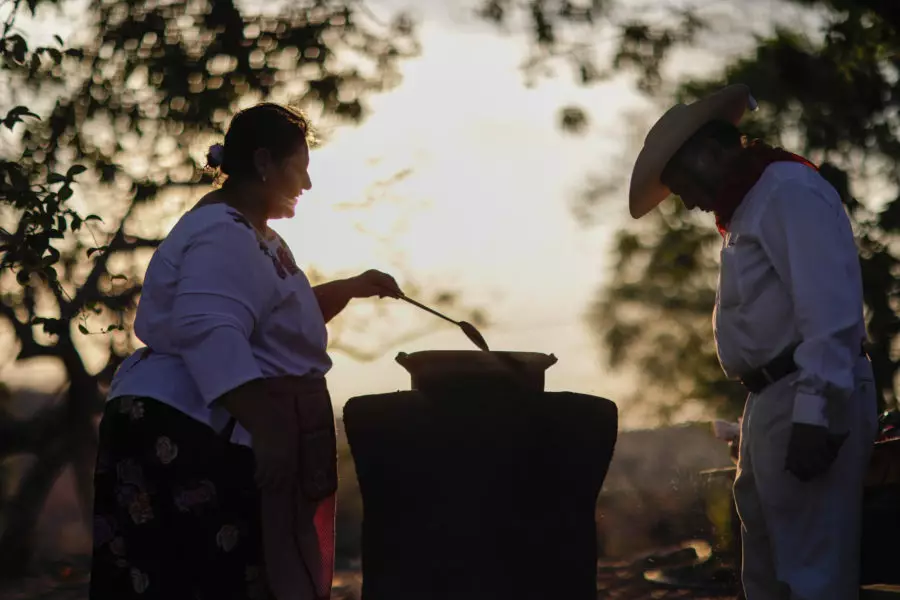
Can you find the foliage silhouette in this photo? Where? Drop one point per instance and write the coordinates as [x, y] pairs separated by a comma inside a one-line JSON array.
[[829, 93]]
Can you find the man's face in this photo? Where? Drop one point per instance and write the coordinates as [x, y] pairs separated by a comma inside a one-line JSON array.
[[694, 174]]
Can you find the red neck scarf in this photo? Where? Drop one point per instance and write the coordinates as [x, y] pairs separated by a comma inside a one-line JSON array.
[[743, 173]]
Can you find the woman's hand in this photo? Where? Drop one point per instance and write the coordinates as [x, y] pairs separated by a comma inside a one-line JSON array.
[[273, 429], [334, 296], [277, 462], [375, 283]]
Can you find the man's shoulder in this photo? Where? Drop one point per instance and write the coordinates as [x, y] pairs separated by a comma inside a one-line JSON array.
[[793, 176], [798, 185]]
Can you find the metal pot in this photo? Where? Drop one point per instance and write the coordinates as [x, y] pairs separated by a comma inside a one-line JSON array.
[[445, 370]]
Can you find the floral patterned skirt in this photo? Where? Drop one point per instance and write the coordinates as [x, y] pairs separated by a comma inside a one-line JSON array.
[[176, 510]]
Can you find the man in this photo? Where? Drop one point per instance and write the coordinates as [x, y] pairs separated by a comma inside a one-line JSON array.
[[789, 324]]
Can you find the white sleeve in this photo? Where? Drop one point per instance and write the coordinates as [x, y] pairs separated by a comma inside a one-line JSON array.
[[810, 243], [226, 282]]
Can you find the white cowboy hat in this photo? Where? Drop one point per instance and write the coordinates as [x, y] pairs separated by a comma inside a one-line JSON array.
[[670, 132]]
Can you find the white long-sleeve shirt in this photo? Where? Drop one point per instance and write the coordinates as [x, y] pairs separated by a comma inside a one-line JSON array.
[[220, 306], [790, 275]]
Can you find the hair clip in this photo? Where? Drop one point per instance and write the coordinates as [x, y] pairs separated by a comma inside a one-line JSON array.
[[216, 155]]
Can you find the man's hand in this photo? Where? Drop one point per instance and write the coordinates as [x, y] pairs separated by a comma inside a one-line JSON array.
[[811, 450], [375, 283]]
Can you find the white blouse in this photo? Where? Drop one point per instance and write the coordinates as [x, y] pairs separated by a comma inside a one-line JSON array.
[[790, 274], [220, 306]]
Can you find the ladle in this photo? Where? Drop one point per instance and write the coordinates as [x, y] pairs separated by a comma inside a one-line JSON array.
[[467, 328]]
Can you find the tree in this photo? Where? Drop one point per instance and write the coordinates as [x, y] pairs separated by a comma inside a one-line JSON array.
[[131, 106], [827, 93]]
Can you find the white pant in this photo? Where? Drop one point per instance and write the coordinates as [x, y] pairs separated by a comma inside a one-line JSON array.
[[801, 540]]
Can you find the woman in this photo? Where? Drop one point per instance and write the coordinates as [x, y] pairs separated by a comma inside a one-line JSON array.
[[185, 505]]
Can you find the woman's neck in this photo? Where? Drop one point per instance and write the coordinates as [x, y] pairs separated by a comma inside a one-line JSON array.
[[248, 200]]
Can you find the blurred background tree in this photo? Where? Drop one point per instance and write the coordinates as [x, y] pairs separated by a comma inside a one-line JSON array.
[[129, 105], [827, 88]]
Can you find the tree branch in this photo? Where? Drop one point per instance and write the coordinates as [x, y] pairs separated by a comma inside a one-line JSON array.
[[122, 300], [30, 348], [27, 437], [16, 544], [89, 290], [120, 243], [133, 243]]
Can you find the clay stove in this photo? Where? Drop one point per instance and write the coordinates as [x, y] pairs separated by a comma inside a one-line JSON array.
[[477, 484]]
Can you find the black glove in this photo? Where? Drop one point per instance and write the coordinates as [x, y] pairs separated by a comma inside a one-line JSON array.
[[811, 450]]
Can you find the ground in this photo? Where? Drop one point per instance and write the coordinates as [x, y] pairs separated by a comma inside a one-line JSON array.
[[621, 580]]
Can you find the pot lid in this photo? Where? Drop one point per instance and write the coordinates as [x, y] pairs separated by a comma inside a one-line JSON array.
[[477, 359]]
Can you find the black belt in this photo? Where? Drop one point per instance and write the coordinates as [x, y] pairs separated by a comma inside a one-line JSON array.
[[777, 369]]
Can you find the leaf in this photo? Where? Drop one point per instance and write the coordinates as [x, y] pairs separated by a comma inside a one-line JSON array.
[[50, 326], [65, 193], [39, 241], [35, 65], [83, 329], [55, 54], [58, 39], [21, 111], [92, 251], [52, 257], [19, 48], [573, 119], [55, 178], [16, 115], [92, 218], [75, 170], [18, 179]]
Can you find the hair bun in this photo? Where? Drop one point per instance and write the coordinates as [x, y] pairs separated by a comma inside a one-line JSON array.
[[216, 156]]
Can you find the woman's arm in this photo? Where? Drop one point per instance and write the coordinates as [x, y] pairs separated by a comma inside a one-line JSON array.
[[334, 296], [225, 285]]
